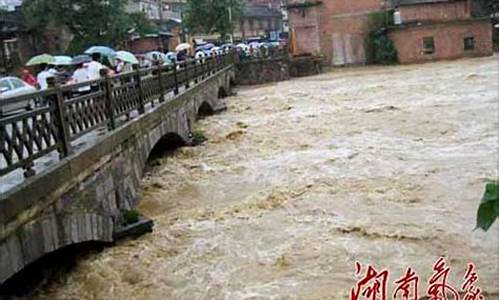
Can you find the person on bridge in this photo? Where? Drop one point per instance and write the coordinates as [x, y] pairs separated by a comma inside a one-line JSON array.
[[81, 74], [41, 78], [122, 67], [29, 78]]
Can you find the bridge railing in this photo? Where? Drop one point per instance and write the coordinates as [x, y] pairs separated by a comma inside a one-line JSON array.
[[65, 113]]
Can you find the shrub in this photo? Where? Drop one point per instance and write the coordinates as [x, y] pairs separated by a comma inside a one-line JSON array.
[[487, 212], [380, 48], [199, 137], [130, 217]]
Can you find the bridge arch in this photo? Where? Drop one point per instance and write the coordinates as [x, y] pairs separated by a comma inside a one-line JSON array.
[[49, 234], [165, 144], [222, 92]]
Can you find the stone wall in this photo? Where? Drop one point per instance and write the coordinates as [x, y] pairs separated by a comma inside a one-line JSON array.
[[254, 72], [83, 197]]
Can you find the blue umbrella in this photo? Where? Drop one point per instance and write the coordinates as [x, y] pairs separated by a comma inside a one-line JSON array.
[[208, 46], [103, 50], [81, 59]]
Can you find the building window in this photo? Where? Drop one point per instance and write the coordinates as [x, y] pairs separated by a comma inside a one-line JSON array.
[[469, 43], [428, 45]]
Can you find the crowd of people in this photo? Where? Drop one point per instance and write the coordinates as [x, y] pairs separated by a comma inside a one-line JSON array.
[[85, 68]]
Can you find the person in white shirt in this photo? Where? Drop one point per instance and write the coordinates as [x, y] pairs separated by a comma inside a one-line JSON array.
[[94, 67], [41, 78], [80, 75]]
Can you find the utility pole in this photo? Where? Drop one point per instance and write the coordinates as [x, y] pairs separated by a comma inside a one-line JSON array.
[[160, 15], [230, 10]]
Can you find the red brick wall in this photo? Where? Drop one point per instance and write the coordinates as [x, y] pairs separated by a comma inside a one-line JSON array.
[[448, 41], [338, 27], [436, 11], [142, 45], [306, 30], [337, 7]]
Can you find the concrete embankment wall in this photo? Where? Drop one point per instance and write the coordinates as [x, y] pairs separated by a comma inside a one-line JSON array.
[[253, 72]]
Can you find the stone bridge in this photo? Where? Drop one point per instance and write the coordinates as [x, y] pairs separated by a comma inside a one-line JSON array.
[[83, 197]]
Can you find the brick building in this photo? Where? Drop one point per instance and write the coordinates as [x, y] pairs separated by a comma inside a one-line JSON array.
[[437, 29], [338, 29], [257, 21]]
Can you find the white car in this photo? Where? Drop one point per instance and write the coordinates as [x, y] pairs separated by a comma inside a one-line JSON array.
[[11, 87]]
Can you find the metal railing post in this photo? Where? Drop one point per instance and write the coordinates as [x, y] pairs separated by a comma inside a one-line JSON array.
[[195, 71], [176, 89], [56, 103], [137, 79], [160, 83], [110, 106], [186, 73]]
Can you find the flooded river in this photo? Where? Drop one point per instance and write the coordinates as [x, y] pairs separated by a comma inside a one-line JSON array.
[[300, 179]]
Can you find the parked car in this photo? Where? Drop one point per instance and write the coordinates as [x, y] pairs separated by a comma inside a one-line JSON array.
[[11, 87]]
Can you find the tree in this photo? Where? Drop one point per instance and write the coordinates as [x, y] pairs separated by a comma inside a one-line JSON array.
[[102, 22], [211, 16], [486, 8]]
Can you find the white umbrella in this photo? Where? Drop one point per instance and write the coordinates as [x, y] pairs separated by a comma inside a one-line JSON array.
[[182, 46], [254, 45], [155, 55], [199, 54], [126, 57], [215, 50], [62, 60]]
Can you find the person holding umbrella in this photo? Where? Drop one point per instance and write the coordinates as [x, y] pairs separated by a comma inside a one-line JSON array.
[[94, 67], [42, 76], [81, 74], [42, 60]]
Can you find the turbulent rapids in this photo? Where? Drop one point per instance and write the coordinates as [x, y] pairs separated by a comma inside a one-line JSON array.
[[299, 180]]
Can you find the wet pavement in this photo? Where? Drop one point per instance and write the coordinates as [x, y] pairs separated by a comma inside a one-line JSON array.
[[300, 179]]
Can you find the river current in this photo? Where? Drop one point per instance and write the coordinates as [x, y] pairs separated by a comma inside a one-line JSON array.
[[300, 179]]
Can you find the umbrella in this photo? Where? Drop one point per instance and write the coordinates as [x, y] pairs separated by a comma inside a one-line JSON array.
[[226, 47], [103, 50], [216, 50], [126, 57], [242, 46], [155, 55], [199, 54], [41, 59], [254, 45], [171, 56], [208, 46], [62, 60], [182, 46], [81, 59]]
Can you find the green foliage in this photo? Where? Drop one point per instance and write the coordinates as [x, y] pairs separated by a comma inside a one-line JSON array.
[[141, 24], [92, 22], [380, 19], [199, 137], [380, 49], [130, 217], [487, 212], [487, 7], [211, 16]]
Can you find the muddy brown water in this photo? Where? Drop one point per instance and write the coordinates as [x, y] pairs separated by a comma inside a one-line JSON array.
[[301, 179]]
